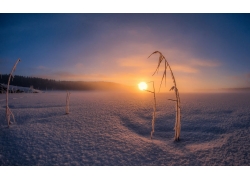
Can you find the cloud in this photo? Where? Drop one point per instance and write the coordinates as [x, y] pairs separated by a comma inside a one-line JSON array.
[[138, 62], [79, 66], [184, 69], [248, 78], [132, 62], [143, 64], [42, 68], [204, 63], [64, 75]]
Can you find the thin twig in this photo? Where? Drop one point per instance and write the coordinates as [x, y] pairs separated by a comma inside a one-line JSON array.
[[8, 111]]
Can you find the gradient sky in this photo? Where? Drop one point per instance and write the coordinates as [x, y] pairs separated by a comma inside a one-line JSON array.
[[205, 51]]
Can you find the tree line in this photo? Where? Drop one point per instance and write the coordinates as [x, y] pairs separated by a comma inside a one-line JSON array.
[[49, 84]]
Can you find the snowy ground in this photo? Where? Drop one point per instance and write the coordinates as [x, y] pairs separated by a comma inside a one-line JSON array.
[[114, 129]]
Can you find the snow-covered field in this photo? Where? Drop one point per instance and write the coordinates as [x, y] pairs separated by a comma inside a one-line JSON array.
[[114, 129]]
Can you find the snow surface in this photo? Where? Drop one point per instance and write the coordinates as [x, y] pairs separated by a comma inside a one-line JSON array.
[[24, 89], [114, 129]]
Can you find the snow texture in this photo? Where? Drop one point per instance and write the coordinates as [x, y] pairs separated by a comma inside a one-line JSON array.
[[19, 88], [113, 129]]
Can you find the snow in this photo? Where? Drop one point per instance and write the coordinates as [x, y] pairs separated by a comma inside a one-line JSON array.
[[113, 129], [20, 88]]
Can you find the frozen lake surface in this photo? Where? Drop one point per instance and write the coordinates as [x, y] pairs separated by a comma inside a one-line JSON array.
[[114, 129]]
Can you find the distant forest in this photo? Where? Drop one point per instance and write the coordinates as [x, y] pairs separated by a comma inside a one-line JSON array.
[[49, 84]]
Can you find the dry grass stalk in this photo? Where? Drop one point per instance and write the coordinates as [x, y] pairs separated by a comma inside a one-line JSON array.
[[67, 102], [177, 127], [8, 111], [154, 107]]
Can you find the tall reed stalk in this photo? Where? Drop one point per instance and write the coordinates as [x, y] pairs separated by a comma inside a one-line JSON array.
[[67, 102], [154, 107], [8, 111], [177, 126]]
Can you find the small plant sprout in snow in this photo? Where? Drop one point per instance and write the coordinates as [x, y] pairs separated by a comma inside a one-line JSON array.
[[8, 111], [67, 102], [143, 86], [177, 127]]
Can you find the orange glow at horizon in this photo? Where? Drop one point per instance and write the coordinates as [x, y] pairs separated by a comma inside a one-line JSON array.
[[142, 86]]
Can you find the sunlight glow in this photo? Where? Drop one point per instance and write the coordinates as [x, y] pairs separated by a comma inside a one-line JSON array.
[[142, 86]]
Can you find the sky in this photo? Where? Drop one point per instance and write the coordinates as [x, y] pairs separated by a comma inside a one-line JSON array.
[[205, 51]]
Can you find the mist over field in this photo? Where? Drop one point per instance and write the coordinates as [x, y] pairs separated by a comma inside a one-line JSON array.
[[104, 128]]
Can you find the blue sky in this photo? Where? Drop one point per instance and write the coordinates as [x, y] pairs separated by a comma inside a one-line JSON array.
[[205, 51]]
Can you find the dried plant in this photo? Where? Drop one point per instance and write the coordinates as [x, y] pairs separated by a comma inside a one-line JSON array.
[[67, 102], [154, 107], [177, 127], [8, 111]]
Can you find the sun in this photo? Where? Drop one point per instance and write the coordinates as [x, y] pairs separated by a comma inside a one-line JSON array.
[[142, 86]]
